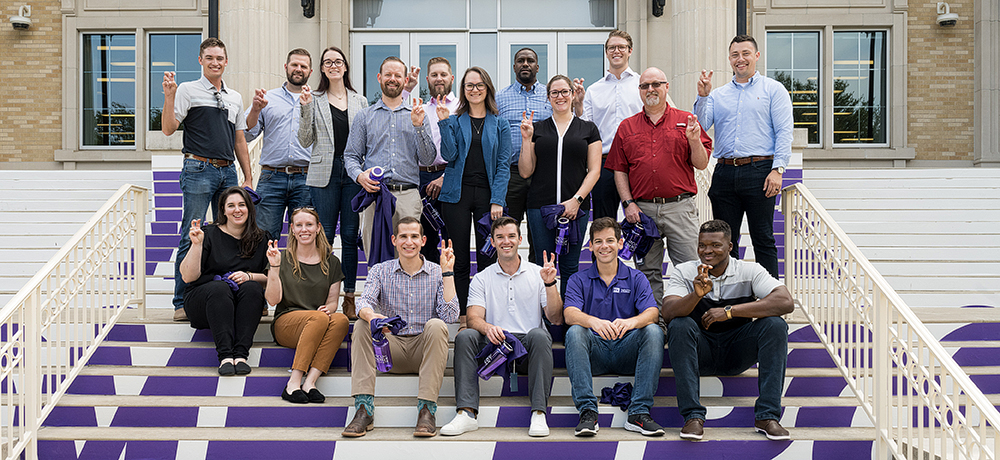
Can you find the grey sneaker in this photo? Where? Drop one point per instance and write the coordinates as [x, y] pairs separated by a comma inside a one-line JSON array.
[[643, 423], [588, 424]]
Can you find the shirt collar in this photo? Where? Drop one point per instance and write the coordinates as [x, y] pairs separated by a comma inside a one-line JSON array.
[[209, 86], [380, 104], [730, 270], [526, 89], [498, 270], [291, 95], [448, 99], [628, 72], [399, 267], [753, 80], [622, 274]]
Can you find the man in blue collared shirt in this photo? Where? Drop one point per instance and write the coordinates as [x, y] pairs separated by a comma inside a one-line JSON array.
[[389, 134], [283, 161], [525, 96], [613, 329], [753, 142]]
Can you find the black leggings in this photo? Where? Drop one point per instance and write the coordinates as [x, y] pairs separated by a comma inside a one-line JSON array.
[[459, 219], [232, 316]]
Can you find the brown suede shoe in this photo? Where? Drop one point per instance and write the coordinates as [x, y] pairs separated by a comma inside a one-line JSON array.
[[772, 429], [693, 429], [348, 308], [180, 315], [361, 425], [426, 424]]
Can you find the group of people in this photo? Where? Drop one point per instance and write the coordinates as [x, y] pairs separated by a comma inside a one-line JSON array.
[[549, 153]]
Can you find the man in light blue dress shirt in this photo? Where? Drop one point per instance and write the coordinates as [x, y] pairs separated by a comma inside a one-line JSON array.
[[753, 142], [283, 161]]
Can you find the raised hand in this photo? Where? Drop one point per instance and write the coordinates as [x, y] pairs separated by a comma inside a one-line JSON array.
[[548, 271], [306, 97], [705, 83], [417, 114], [196, 234], [412, 78], [273, 255], [447, 257], [578, 91], [702, 283], [442, 108], [259, 100], [527, 125], [693, 130], [169, 85]]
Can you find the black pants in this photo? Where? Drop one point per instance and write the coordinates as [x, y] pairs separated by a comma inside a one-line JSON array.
[[517, 203], [739, 190], [431, 250], [459, 218], [604, 197], [232, 316]]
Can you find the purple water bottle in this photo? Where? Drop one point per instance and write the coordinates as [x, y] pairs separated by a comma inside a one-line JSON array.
[[562, 239], [432, 215], [376, 174], [632, 240], [494, 360], [383, 359]]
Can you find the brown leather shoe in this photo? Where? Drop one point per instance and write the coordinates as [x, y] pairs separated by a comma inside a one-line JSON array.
[[772, 429], [426, 424], [348, 307], [693, 429], [180, 315], [361, 425]]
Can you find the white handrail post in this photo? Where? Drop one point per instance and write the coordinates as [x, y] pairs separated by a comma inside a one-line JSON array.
[[787, 210], [882, 394], [142, 203], [31, 385]]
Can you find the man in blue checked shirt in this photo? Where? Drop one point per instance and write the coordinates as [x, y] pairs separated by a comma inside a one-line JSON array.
[[283, 161], [422, 293], [753, 142]]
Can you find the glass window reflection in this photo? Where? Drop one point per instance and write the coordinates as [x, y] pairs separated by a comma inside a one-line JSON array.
[[409, 14], [793, 60], [859, 88], [431, 51], [108, 90], [170, 53], [374, 55]]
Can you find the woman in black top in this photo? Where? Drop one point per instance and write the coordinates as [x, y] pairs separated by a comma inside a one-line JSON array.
[[224, 270], [476, 144], [562, 156]]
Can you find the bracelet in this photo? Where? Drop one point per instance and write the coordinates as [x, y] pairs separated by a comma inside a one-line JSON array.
[[444, 274], [553, 283], [275, 266]]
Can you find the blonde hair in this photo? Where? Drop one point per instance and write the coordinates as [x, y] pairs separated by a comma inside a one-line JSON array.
[[322, 245]]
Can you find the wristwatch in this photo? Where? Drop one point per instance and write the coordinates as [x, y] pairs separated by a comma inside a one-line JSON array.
[[780, 169], [579, 199], [625, 203], [729, 311]]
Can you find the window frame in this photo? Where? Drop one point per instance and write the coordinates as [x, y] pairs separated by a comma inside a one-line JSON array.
[[821, 94], [80, 117], [153, 82]]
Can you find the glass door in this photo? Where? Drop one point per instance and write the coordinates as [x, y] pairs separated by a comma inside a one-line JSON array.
[[368, 50], [544, 45]]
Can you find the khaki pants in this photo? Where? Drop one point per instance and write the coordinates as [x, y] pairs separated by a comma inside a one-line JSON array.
[[315, 337], [425, 354], [407, 205], [678, 224]]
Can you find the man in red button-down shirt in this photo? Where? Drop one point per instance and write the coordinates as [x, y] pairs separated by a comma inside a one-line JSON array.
[[653, 156]]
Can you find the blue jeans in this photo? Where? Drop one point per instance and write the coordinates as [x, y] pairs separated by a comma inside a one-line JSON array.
[[280, 191], [333, 202], [695, 352], [545, 240], [201, 185], [639, 353], [738, 190]]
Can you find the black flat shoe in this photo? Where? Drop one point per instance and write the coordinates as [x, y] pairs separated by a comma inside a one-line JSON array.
[[227, 369], [315, 396], [242, 368], [297, 396]]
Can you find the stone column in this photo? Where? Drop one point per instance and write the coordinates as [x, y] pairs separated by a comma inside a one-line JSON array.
[[700, 32], [986, 140], [256, 36]]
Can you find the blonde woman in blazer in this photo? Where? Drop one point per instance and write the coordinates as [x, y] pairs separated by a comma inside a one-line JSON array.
[[327, 115]]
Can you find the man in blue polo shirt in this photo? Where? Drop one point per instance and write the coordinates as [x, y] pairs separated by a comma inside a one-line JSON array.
[[613, 329], [213, 129]]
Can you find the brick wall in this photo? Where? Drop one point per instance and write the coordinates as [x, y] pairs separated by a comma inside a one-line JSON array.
[[31, 83], [941, 78]]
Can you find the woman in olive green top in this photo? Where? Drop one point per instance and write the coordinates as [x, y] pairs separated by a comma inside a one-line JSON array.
[[304, 283]]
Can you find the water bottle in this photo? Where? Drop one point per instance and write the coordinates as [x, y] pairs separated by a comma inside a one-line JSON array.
[[376, 174], [494, 360], [432, 215], [488, 249], [383, 359], [562, 239], [632, 239]]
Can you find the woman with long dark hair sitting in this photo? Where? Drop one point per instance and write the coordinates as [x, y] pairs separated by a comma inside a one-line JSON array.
[[224, 270]]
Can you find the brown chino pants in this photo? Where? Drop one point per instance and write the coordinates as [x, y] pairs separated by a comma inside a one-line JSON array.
[[425, 354], [314, 335]]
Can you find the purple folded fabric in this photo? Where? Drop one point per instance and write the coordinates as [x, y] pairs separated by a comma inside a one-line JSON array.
[[642, 238], [253, 195], [550, 216], [395, 324], [620, 395], [483, 229], [517, 355], [385, 206], [232, 284]]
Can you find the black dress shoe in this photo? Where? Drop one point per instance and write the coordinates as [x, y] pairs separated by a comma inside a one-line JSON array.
[[297, 396], [227, 369], [242, 368], [315, 396]]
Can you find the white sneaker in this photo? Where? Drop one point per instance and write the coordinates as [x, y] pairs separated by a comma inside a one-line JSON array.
[[462, 423], [538, 425]]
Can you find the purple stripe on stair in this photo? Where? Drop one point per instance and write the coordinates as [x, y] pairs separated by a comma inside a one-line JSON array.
[[203, 335], [671, 417], [568, 420], [809, 357], [816, 386], [59, 449], [168, 215], [193, 357], [165, 385], [71, 416], [839, 450], [151, 450], [556, 450], [101, 450], [514, 417], [166, 176], [92, 385], [164, 228], [742, 450], [975, 331], [825, 417], [111, 356], [269, 450], [156, 417], [805, 334], [309, 416], [162, 241], [969, 356], [169, 201], [276, 357], [264, 386], [987, 383], [522, 384], [128, 333]]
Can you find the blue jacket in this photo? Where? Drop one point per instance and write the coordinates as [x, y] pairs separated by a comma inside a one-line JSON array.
[[456, 138]]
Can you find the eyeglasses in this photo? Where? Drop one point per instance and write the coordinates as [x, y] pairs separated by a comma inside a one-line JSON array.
[[218, 101], [654, 84], [474, 86], [616, 47], [560, 92], [335, 63]]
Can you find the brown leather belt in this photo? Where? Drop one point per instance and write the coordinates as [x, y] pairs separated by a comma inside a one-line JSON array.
[[287, 169], [399, 187], [433, 168], [672, 199], [212, 161], [744, 160]]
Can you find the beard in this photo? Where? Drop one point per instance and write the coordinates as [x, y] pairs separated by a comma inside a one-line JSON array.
[[392, 91], [652, 99], [297, 78], [445, 90]]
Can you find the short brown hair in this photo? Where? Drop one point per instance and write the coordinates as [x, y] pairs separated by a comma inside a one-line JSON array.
[[438, 60], [408, 220], [504, 221], [620, 34], [212, 42], [392, 59], [604, 223], [299, 52], [743, 38]]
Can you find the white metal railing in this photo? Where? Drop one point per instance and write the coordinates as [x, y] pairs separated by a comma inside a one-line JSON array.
[[53, 325], [921, 402]]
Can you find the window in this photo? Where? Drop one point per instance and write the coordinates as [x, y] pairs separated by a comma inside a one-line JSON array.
[[108, 90], [793, 60], [859, 88], [170, 53]]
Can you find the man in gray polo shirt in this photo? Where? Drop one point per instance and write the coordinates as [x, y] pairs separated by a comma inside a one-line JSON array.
[[213, 129]]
